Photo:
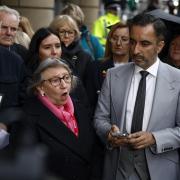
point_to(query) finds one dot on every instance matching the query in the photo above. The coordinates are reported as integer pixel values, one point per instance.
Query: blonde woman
(72, 52)
(25, 26)
(88, 41)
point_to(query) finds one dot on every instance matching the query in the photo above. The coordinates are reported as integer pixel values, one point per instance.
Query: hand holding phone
(119, 134)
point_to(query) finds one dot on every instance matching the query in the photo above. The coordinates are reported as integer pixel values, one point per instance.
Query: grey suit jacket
(164, 123)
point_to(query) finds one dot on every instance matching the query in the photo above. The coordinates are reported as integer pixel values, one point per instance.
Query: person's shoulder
(123, 67)
(20, 50)
(19, 47)
(7, 55)
(170, 71)
(95, 40)
(86, 56)
(120, 70)
(31, 105)
(80, 107)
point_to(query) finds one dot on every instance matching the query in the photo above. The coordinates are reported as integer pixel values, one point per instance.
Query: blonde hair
(26, 27)
(23, 39)
(62, 20)
(75, 12)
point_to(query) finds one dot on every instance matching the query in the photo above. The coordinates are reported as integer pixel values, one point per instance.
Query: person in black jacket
(13, 82)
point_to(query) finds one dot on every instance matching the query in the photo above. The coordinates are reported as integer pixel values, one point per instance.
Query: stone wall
(41, 12)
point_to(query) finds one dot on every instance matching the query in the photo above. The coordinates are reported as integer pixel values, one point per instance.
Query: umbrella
(173, 26)
(172, 22)
(165, 16)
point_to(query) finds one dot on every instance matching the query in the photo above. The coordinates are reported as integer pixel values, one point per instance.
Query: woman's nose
(53, 51)
(63, 84)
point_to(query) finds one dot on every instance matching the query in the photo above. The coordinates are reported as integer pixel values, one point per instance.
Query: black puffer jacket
(77, 59)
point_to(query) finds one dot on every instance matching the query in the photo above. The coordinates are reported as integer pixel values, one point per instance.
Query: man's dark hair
(144, 19)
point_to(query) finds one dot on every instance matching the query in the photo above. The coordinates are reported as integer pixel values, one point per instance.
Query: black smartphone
(119, 134)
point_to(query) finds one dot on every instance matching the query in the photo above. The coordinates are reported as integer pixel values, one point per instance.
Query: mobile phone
(119, 134)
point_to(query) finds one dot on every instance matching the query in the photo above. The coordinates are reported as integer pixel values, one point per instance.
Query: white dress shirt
(150, 88)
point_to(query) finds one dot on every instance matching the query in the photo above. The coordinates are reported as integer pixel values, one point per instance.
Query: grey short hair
(44, 65)
(6, 9)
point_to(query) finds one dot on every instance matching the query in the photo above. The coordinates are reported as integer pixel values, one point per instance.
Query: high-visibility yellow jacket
(100, 29)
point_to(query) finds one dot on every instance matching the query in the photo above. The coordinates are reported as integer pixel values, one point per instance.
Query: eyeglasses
(56, 81)
(64, 32)
(123, 40)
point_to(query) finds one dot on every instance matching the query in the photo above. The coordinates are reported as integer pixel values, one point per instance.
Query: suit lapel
(120, 90)
(164, 88)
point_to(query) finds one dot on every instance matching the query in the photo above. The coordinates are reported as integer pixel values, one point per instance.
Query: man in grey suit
(151, 151)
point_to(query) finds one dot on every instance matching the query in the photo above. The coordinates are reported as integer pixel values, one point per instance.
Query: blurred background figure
(111, 16)
(171, 6)
(174, 51)
(22, 38)
(88, 41)
(72, 52)
(9, 26)
(172, 23)
(25, 26)
(116, 54)
(24, 32)
(153, 4)
(132, 5)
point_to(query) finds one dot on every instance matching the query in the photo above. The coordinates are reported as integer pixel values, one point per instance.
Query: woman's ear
(40, 90)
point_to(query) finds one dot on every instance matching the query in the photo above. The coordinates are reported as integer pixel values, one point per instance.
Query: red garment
(64, 113)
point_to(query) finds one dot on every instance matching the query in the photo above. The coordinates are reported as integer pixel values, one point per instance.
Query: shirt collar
(152, 69)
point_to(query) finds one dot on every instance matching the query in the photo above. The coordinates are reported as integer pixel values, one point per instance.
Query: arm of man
(102, 119)
(165, 135)
(105, 120)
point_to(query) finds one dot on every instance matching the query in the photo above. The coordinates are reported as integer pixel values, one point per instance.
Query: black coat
(96, 74)
(12, 79)
(77, 59)
(68, 156)
(20, 50)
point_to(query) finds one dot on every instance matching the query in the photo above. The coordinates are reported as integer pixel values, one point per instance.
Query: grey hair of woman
(43, 66)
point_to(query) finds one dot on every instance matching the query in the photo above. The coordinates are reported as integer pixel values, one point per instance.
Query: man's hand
(116, 141)
(141, 140)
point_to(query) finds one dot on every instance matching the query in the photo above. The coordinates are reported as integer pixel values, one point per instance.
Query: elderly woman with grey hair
(59, 122)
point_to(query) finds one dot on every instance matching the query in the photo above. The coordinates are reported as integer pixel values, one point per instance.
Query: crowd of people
(101, 107)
